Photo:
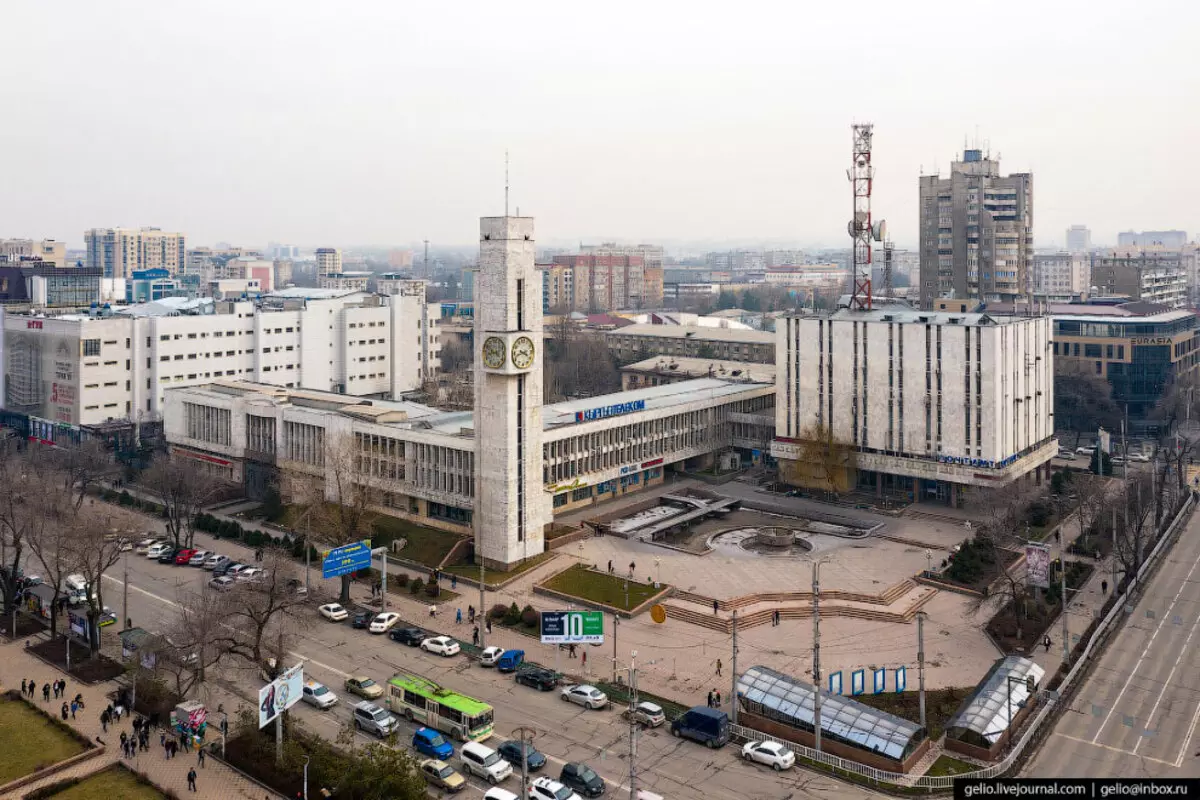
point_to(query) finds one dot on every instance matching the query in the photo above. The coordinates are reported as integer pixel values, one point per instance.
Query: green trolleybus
(422, 700)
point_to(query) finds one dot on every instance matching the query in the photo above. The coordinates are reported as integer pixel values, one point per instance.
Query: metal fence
(937, 783)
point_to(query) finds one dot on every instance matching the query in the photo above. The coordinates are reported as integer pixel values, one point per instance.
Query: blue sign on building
(346, 559)
(610, 411)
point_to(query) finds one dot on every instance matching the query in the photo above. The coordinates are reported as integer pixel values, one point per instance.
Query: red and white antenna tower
(861, 228)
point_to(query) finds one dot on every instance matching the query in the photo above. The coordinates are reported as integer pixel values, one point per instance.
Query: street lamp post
(657, 572)
(306, 760)
(125, 593)
(524, 735)
(224, 727)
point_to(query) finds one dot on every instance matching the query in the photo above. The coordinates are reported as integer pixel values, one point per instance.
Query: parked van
(484, 762)
(509, 660)
(709, 726)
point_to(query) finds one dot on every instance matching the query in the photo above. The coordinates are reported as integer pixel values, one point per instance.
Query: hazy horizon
(315, 123)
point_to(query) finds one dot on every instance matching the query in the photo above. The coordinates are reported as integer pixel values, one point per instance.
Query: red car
(184, 555)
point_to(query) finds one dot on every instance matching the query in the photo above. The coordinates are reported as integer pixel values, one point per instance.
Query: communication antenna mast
(861, 229)
(889, 248)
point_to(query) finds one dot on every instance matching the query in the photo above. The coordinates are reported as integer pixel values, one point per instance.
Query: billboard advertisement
(346, 559)
(280, 694)
(1037, 565)
(41, 373)
(78, 623)
(572, 627)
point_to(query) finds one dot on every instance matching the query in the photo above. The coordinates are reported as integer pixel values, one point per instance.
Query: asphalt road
(677, 769)
(1137, 713)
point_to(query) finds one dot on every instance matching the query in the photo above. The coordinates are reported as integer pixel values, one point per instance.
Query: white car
(250, 574)
(490, 656)
(773, 754)
(384, 622)
(213, 560)
(333, 612)
(550, 789)
(1139, 458)
(199, 557)
(156, 550)
(584, 695)
(145, 544)
(222, 584)
(442, 645)
(318, 694)
(233, 572)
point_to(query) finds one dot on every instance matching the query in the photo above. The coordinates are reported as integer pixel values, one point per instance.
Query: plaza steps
(905, 613)
(885, 598)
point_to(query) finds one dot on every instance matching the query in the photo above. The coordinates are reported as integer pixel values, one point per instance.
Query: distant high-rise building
(651, 254)
(1079, 239)
(558, 287)
(976, 232)
(120, 251)
(329, 261)
(1155, 275)
(1061, 277)
(47, 250)
(1169, 240)
(608, 283)
(400, 259)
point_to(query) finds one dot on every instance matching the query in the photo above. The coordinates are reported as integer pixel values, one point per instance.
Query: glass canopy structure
(781, 698)
(984, 716)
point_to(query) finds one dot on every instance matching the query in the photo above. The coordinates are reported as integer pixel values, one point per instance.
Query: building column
(879, 484)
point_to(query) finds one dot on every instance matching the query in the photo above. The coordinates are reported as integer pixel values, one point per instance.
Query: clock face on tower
(522, 353)
(493, 352)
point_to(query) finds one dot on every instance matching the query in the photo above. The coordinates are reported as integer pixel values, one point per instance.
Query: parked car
(183, 556)
(333, 612)
(442, 775)
(362, 619)
(1086, 451)
(510, 660)
(550, 789)
(1139, 458)
(584, 695)
(582, 778)
(709, 726)
(496, 793)
(145, 544)
(647, 714)
(251, 574)
(157, 549)
(431, 743)
(363, 686)
(237, 568)
(168, 556)
(490, 656)
(409, 636)
(373, 719)
(442, 645)
(539, 678)
(222, 583)
(318, 694)
(513, 751)
(199, 557)
(215, 560)
(773, 754)
(384, 622)
(484, 762)
(1065, 454)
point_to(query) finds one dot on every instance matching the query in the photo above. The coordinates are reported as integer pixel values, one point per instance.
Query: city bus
(422, 700)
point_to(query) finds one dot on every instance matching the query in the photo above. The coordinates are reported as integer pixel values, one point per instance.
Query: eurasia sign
(572, 627)
(615, 410)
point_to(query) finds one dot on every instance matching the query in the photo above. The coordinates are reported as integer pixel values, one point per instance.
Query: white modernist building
(931, 402)
(117, 363)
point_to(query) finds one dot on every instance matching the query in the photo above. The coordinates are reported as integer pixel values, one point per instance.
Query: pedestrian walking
(24, 688)
(104, 720)
(1103, 587)
(74, 708)
(433, 611)
(775, 618)
(458, 617)
(65, 711)
(453, 581)
(192, 779)
(162, 739)
(584, 661)
(571, 650)
(717, 699)
(471, 614)
(718, 667)
(200, 756)
(632, 568)
(489, 626)
(610, 567)
(45, 693)
(716, 605)
(710, 698)
(1046, 643)
(475, 637)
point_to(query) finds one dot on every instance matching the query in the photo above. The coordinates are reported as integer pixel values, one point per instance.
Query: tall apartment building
(1061, 277)
(1168, 240)
(976, 232)
(329, 261)
(89, 368)
(736, 260)
(558, 287)
(611, 282)
(46, 250)
(1079, 239)
(120, 251)
(651, 254)
(930, 402)
(1154, 275)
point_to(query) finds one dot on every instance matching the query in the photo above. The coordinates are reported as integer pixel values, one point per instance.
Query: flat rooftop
(697, 332)
(687, 367)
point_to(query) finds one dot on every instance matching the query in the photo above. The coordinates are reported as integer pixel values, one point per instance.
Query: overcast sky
(345, 123)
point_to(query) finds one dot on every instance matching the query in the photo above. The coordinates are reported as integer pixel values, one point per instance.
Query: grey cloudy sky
(386, 122)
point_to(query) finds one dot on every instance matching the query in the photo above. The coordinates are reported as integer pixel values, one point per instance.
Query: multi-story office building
(608, 282)
(87, 368)
(40, 284)
(1061, 277)
(329, 261)
(466, 286)
(117, 252)
(638, 342)
(690, 295)
(1139, 348)
(928, 402)
(976, 232)
(345, 281)
(1154, 275)
(1079, 239)
(151, 285)
(1166, 240)
(47, 250)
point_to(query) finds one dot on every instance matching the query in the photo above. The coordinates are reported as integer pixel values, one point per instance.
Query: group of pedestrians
(714, 699)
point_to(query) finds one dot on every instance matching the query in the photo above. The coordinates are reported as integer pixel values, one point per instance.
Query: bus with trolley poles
(422, 700)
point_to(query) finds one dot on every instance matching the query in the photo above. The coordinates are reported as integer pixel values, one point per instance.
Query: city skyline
(687, 127)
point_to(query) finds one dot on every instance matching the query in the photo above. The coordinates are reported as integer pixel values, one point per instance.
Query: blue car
(509, 660)
(429, 742)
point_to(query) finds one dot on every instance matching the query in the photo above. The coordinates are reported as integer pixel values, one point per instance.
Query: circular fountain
(764, 541)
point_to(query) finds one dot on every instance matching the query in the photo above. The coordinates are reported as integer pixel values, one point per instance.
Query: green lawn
(948, 765)
(491, 576)
(30, 741)
(115, 782)
(581, 582)
(424, 545)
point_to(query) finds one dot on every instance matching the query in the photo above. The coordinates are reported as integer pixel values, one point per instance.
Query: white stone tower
(511, 504)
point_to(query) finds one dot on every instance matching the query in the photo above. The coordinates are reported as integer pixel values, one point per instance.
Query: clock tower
(511, 504)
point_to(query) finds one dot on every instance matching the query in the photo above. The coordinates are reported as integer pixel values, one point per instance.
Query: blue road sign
(346, 559)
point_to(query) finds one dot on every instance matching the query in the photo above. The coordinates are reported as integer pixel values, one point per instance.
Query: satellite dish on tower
(879, 230)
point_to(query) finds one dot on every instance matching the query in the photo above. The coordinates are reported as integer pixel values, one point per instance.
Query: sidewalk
(214, 779)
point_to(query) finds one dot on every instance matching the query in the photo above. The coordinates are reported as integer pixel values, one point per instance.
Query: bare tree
(193, 646)
(825, 463)
(1136, 528)
(49, 538)
(83, 467)
(183, 488)
(342, 504)
(22, 475)
(94, 544)
(999, 536)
